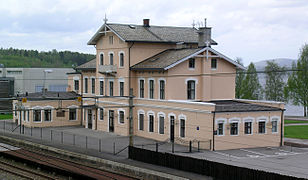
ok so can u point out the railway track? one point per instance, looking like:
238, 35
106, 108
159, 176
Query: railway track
22, 172
71, 168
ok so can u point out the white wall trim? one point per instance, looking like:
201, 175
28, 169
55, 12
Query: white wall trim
119, 116
275, 118
191, 79
161, 114
76, 78
235, 119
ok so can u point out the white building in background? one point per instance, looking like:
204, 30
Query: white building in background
32, 79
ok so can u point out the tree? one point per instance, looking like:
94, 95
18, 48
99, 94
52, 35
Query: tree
251, 88
297, 85
240, 75
274, 86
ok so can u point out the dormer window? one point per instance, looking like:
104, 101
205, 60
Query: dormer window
110, 39
191, 63
214, 64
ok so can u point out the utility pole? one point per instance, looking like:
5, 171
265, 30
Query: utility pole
131, 122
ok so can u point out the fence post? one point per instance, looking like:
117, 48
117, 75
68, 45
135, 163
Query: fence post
190, 146
86, 142
50, 135
113, 148
198, 146
74, 139
172, 147
61, 137
156, 146
42, 133
99, 145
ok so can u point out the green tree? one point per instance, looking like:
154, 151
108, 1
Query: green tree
240, 75
251, 88
274, 86
297, 85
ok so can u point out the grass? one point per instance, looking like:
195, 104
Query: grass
299, 132
6, 116
294, 121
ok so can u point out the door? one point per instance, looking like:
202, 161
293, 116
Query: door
90, 118
111, 121
172, 128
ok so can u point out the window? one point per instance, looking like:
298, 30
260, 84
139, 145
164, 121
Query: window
261, 127
28, 116
141, 122
182, 128
191, 63
121, 59
76, 85
101, 87
214, 63
121, 117
101, 59
36, 115
151, 89
274, 126
111, 58
162, 89
191, 89
101, 114
248, 128
141, 88
151, 123
220, 130
234, 128
110, 39
85, 85
121, 88
111, 88
93, 85
72, 114
161, 124
24, 115
47, 115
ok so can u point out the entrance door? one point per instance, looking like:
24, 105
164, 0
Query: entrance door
90, 118
111, 121
172, 128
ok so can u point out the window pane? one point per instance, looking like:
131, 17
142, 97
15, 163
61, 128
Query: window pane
141, 90
248, 127
141, 121
111, 88
37, 115
162, 89
191, 90
220, 128
111, 59
151, 123
93, 85
121, 88
214, 63
121, 114
72, 114
151, 89
121, 59
101, 58
261, 127
161, 125
191, 63
234, 129
47, 115
101, 87
182, 132
86, 85
274, 126
76, 84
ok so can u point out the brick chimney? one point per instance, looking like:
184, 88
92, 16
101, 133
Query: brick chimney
204, 34
146, 22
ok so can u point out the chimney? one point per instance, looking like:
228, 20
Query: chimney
146, 22
204, 34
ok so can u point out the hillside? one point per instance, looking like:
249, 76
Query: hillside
33, 58
285, 62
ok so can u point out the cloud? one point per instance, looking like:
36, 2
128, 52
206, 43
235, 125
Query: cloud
253, 30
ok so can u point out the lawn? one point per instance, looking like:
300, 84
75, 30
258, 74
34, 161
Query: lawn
6, 116
294, 121
299, 132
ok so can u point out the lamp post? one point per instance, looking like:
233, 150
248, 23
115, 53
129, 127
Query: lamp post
45, 72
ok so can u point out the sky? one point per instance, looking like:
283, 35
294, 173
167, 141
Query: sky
251, 29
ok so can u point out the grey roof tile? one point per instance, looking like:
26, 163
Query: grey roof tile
164, 59
49, 95
90, 65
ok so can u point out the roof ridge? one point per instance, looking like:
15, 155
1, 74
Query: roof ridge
151, 25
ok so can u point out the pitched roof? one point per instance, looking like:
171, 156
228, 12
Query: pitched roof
90, 65
171, 57
49, 95
236, 106
139, 33
164, 59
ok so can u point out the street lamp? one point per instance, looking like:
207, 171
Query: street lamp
45, 72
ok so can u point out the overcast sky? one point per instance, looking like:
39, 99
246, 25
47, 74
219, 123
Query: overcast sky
254, 30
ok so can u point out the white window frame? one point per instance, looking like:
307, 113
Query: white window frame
196, 84
123, 117
99, 58
141, 111
224, 121
159, 115
73, 107
139, 79
51, 111
119, 54
262, 119
148, 115
277, 119
161, 79
37, 108
248, 119
151, 79
235, 120
182, 116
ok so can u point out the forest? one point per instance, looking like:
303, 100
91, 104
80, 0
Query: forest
12, 57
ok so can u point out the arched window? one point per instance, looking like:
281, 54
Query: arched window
101, 59
111, 58
121, 56
191, 89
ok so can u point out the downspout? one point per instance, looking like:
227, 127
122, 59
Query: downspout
213, 131
281, 128
130, 101
81, 93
